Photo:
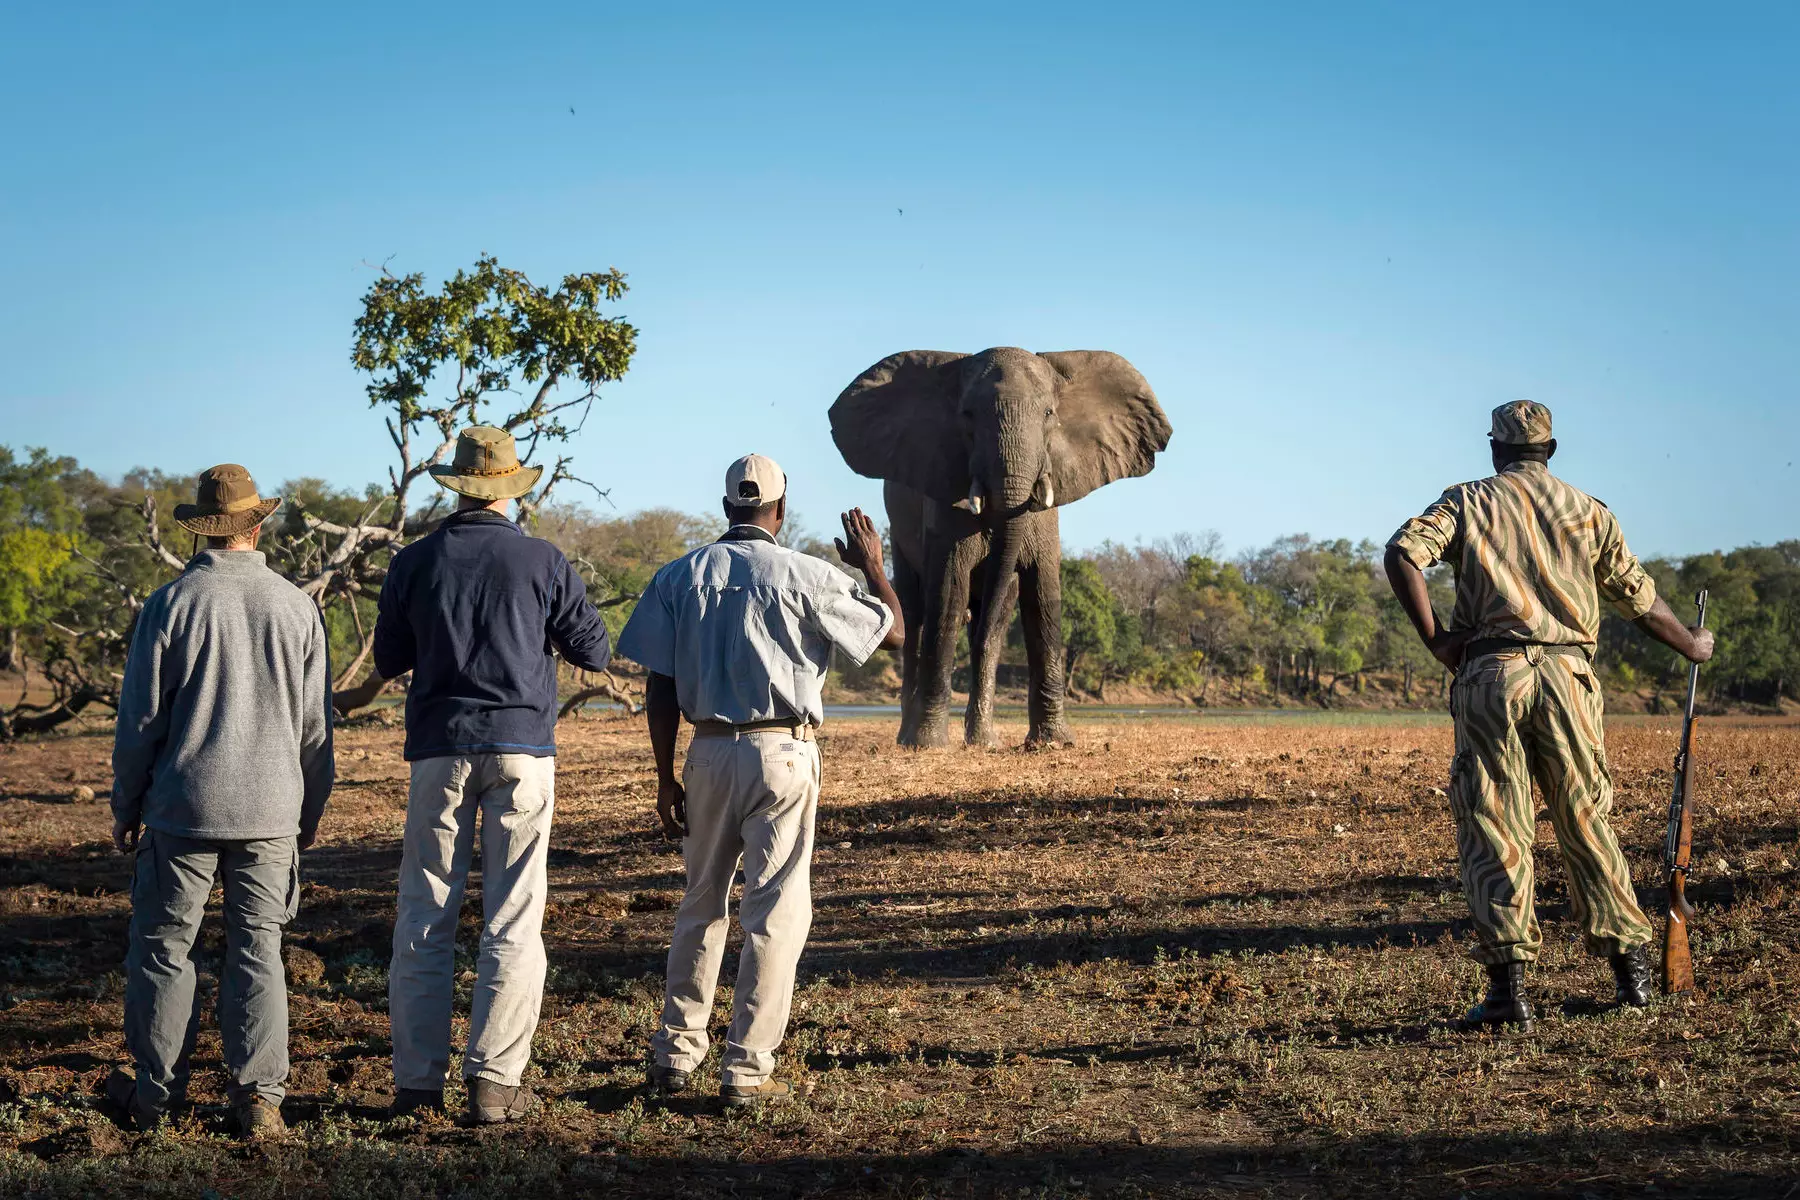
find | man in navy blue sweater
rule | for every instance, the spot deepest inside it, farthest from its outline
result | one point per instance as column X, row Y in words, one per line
column 474, row 611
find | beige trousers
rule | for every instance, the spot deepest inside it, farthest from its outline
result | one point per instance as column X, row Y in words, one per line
column 516, row 797
column 751, row 797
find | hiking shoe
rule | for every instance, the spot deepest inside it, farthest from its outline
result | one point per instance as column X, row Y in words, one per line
column 769, row 1091
column 257, row 1118
column 1631, row 972
column 668, row 1081
column 121, row 1091
column 1505, row 1008
column 411, row 1101
column 492, row 1103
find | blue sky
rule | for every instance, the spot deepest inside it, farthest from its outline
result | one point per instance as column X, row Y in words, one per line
column 1331, row 235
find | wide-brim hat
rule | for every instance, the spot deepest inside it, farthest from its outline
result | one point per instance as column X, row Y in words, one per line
column 225, row 503
column 486, row 466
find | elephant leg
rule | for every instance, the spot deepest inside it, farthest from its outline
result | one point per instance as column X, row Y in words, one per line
column 1040, row 606
column 909, row 588
column 984, row 659
column 946, row 596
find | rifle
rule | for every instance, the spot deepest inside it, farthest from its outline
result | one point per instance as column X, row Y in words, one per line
column 1678, row 960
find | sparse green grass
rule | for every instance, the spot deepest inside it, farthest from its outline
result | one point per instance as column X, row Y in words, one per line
column 1185, row 957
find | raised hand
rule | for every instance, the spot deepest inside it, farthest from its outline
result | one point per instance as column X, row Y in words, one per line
column 860, row 547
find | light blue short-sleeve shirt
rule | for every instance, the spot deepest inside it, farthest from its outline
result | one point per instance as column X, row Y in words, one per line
column 746, row 629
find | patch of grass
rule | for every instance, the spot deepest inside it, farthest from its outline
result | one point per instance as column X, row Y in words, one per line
column 1185, row 957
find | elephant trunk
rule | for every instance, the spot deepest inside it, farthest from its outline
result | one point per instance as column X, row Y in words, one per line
column 988, row 637
column 1005, row 540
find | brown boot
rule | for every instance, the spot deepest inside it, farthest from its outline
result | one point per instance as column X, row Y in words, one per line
column 492, row 1103
column 769, row 1091
column 257, row 1118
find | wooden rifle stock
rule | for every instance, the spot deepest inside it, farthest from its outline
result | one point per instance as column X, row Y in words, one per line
column 1678, row 957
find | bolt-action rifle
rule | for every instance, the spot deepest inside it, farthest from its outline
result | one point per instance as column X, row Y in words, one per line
column 1678, row 959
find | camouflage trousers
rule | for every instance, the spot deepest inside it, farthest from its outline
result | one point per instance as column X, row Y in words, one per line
column 1523, row 716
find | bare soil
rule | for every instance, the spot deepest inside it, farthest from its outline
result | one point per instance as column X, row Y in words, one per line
column 1185, row 957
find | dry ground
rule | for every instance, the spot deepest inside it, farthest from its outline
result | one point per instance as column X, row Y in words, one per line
column 1208, row 957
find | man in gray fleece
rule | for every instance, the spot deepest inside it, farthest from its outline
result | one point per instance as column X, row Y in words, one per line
column 223, row 757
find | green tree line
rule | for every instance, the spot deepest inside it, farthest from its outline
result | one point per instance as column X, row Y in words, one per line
column 1300, row 620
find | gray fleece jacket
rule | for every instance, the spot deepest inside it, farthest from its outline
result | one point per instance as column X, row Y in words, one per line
column 224, row 727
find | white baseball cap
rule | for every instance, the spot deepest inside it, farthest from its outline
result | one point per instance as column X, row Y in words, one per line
column 753, row 480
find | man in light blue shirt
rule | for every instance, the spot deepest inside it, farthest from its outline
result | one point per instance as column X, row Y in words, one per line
column 737, row 636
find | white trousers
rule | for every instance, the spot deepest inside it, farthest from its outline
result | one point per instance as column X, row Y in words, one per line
column 751, row 797
column 516, row 796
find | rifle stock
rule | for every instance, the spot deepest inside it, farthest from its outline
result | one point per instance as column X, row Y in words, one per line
column 1678, row 957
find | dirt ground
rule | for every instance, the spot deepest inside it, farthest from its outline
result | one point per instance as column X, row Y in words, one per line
column 1185, row 957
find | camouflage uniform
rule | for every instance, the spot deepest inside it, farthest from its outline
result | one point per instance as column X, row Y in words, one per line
column 1533, row 559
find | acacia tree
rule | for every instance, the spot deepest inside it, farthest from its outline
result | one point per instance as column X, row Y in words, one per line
column 489, row 346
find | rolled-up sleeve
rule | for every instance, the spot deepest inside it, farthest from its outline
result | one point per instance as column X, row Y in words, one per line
column 648, row 638
column 847, row 616
column 1426, row 538
column 143, row 722
column 1619, row 576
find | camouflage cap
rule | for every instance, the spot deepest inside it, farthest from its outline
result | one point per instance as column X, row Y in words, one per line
column 1521, row 423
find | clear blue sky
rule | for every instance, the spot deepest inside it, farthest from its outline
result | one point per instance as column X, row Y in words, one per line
column 1331, row 235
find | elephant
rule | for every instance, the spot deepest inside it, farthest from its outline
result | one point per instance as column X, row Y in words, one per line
column 976, row 453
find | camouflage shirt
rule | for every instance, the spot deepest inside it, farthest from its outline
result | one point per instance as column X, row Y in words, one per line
column 1533, row 557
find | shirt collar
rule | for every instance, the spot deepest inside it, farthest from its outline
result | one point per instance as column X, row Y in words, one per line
column 229, row 560
column 749, row 533
column 481, row 516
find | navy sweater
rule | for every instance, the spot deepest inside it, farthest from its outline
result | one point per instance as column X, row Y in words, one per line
column 474, row 610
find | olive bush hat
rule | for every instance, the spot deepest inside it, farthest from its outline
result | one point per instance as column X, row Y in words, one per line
column 225, row 503
column 486, row 466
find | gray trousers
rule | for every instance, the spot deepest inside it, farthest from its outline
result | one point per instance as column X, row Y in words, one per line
column 516, row 797
column 751, row 798
column 172, row 878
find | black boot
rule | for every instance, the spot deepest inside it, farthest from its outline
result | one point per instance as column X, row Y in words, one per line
column 1505, row 1006
column 1631, row 971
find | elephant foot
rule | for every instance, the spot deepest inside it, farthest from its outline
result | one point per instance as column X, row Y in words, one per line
column 1046, row 737
column 929, row 733
column 981, row 735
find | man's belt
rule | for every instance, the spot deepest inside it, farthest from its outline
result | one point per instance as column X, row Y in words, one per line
column 799, row 730
column 1500, row 645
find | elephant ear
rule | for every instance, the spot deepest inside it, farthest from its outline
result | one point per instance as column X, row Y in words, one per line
column 901, row 420
column 1108, row 423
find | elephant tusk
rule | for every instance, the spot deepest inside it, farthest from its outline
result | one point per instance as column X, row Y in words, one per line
column 1044, row 494
column 974, row 503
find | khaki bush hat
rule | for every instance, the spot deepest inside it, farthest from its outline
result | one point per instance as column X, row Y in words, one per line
column 754, row 479
column 225, row 503
column 1521, row 423
column 486, row 466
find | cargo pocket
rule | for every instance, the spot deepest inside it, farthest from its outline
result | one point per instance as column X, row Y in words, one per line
column 699, row 756
column 143, row 871
column 1462, row 781
column 293, row 893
